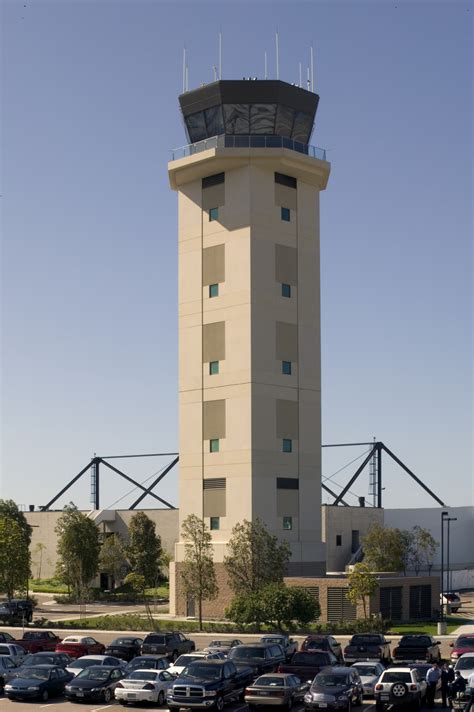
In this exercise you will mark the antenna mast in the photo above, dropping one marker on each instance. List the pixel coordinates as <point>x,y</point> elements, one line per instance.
<point>220,55</point>
<point>312,67</point>
<point>300,75</point>
<point>266,69</point>
<point>277,56</point>
<point>184,69</point>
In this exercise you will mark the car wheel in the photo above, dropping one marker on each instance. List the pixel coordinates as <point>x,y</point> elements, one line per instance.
<point>107,694</point>
<point>161,697</point>
<point>289,704</point>
<point>220,703</point>
<point>399,690</point>
<point>44,696</point>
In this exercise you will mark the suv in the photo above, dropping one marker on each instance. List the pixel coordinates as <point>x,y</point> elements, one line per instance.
<point>400,686</point>
<point>16,610</point>
<point>260,657</point>
<point>170,644</point>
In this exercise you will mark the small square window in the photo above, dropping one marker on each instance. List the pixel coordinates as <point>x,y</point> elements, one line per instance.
<point>338,539</point>
<point>285,214</point>
<point>214,445</point>
<point>214,214</point>
<point>286,368</point>
<point>287,522</point>
<point>213,290</point>
<point>215,523</point>
<point>286,290</point>
<point>213,368</point>
<point>287,445</point>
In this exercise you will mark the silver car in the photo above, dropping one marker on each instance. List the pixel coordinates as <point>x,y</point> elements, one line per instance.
<point>369,674</point>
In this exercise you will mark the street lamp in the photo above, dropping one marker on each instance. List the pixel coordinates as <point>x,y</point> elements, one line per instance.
<point>448,569</point>
<point>443,517</point>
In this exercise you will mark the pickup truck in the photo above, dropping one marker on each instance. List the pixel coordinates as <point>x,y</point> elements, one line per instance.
<point>307,664</point>
<point>417,647</point>
<point>35,641</point>
<point>289,645</point>
<point>16,610</point>
<point>209,683</point>
<point>367,646</point>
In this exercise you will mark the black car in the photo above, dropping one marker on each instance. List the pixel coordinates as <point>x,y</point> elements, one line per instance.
<point>148,662</point>
<point>171,644</point>
<point>38,682</point>
<point>336,688</point>
<point>260,657</point>
<point>125,647</point>
<point>6,638</point>
<point>16,610</point>
<point>94,683</point>
<point>44,658</point>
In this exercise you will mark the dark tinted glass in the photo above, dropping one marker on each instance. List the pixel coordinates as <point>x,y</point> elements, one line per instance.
<point>214,121</point>
<point>158,639</point>
<point>262,118</point>
<point>236,118</point>
<point>309,659</point>
<point>215,179</point>
<point>196,127</point>
<point>283,179</point>
<point>301,127</point>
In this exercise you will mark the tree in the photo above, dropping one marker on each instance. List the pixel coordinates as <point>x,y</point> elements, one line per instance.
<point>14,557</point>
<point>385,549</point>
<point>275,604</point>
<point>78,549</point>
<point>255,557</point>
<point>112,557</point>
<point>423,549</point>
<point>9,508</point>
<point>198,574</point>
<point>144,548</point>
<point>38,550</point>
<point>138,584</point>
<point>362,584</point>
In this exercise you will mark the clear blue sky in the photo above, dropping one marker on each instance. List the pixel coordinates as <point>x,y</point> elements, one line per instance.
<point>89,282</point>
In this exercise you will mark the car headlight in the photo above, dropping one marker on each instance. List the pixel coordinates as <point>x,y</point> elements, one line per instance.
<point>210,693</point>
<point>8,687</point>
<point>33,689</point>
<point>96,689</point>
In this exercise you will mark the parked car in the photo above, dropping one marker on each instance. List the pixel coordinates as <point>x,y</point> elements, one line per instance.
<point>148,662</point>
<point>170,644</point>
<point>38,682</point>
<point>323,642</point>
<point>289,645</point>
<point>422,669</point>
<point>16,610</point>
<point>451,601</point>
<point>96,683</point>
<point>261,658</point>
<point>126,647</point>
<point>336,688</point>
<point>7,638</point>
<point>78,645</point>
<point>76,666</point>
<point>14,651</point>
<point>369,674</point>
<point>183,661</point>
<point>222,645</point>
<point>276,689</point>
<point>35,641</point>
<point>465,665</point>
<point>367,646</point>
<point>45,658</point>
<point>400,687</point>
<point>144,686</point>
<point>463,644</point>
<point>412,648</point>
<point>308,663</point>
<point>209,683</point>
<point>7,666</point>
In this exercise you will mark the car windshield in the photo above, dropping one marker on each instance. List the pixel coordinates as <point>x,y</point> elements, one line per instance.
<point>366,669</point>
<point>81,664</point>
<point>396,677</point>
<point>160,639</point>
<point>247,653</point>
<point>208,672</point>
<point>365,640</point>
<point>328,680</point>
<point>187,659</point>
<point>464,643</point>
<point>418,641</point>
<point>144,675</point>
<point>94,673</point>
<point>122,641</point>
<point>72,640</point>
<point>270,681</point>
<point>39,660</point>
<point>34,673</point>
<point>309,659</point>
<point>31,636</point>
<point>465,663</point>
<point>318,644</point>
<point>142,662</point>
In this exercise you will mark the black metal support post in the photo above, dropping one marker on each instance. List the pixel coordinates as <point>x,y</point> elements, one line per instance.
<point>65,489</point>
<point>333,494</point>
<point>154,483</point>
<point>412,474</point>
<point>97,495</point>
<point>379,475</point>
<point>137,484</point>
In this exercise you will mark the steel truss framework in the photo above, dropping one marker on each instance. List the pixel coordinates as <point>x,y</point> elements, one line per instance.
<point>377,448</point>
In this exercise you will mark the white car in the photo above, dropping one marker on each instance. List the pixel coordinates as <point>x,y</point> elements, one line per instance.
<point>77,666</point>
<point>144,686</point>
<point>369,674</point>
<point>184,660</point>
<point>400,687</point>
<point>465,665</point>
<point>15,652</point>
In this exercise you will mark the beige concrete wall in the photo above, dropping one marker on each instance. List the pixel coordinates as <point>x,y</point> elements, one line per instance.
<point>341,521</point>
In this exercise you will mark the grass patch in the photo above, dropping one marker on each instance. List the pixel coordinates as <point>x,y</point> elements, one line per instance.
<point>428,627</point>
<point>51,585</point>
<point>141,623</point>
<point>159,592</point>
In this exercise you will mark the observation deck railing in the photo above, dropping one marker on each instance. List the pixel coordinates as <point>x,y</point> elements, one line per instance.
<point>255,141</point>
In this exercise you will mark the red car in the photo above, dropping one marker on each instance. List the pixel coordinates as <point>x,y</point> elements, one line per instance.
<point>37,641</point>
<point>78,645</point>
<point>463,644</point>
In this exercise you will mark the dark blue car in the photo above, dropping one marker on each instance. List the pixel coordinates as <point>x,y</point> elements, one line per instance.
<point>94,684</point>
<point>38,682</point>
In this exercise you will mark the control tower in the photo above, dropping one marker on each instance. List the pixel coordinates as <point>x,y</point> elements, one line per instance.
<point>248,189</point>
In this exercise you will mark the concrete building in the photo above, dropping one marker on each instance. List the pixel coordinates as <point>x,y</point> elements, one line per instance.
<point>249,318</point>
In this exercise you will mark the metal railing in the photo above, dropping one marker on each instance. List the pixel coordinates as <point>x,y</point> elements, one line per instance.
<point>226,141</point>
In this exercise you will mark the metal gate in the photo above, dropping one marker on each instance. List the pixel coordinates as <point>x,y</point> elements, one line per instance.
<point>420,601</point>
<point>391,603</point>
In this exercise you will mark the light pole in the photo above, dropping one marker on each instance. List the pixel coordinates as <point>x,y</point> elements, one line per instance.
<point>448,569</point>
<point>442,623</point>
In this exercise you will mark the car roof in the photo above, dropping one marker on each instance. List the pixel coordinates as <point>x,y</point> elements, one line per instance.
<point>214,661</point>
<point>253,645</point>
<point>145,669</point>
<point>94,657</point>
<point>75,638</point>
<point>467,655</point>
<point>277,674</point>
<point>399,669</point>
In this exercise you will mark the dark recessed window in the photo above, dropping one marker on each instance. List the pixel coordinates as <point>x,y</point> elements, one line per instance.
<point>213,368</point>
<point>214,214</point>
<point>282,179</point>
<point>286,290</point>
<point>213,290</point>
<point>287,522</point>
<point>286,368</point>
<point>215,523</point>
<point>215,179</point>
<point>292,483</point>
<point>285,214</point>
<point>287,445</point>
<point>338,539</point>
<point>214,445</point>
